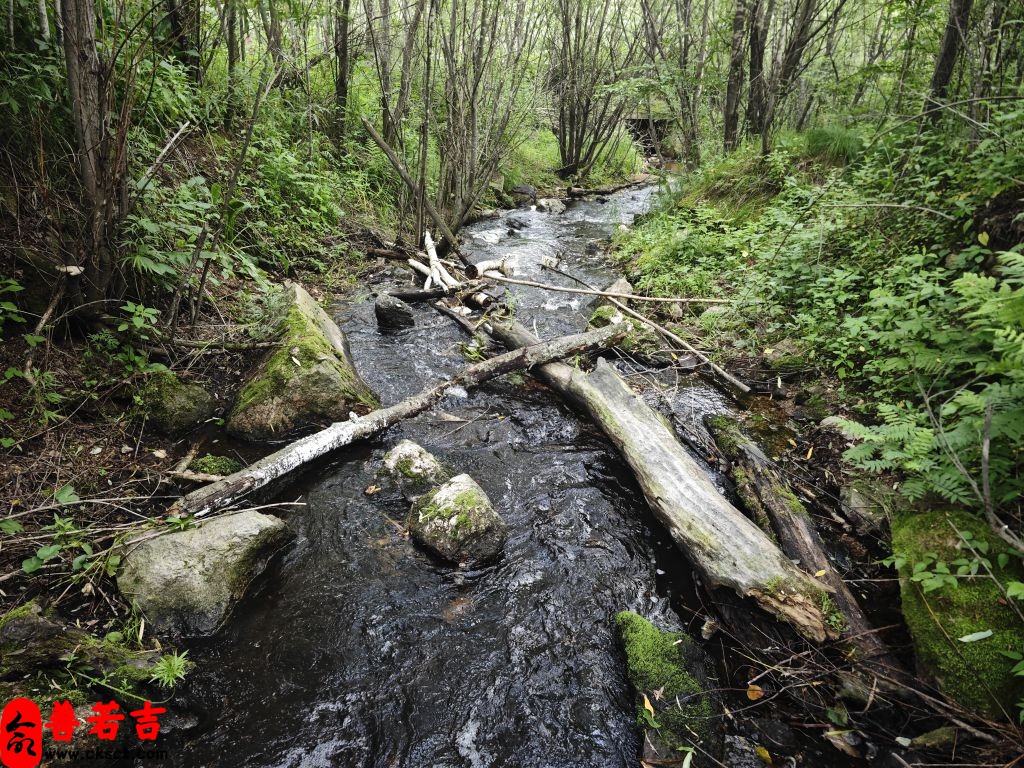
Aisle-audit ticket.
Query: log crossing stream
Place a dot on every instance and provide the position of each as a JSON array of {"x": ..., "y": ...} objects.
[{"x": 359, "y": 649}]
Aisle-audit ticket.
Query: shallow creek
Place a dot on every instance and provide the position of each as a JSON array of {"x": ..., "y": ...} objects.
[{"x": 359, "y": 649}]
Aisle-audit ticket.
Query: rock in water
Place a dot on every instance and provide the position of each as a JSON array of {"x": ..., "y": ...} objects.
[
  {"x": 187, "y": 582},
  {"x": 415, "y": 468},
  {"x": 550, "y": 205},
  {"x": 305, "y": 381},
  {"x": 174, "y": 407},
  {"x": 524, "y": 194},
  {"x": 457, "y": 521},
  {"x": 666, "y": 668},
  {"x": 392, "y": 312}
]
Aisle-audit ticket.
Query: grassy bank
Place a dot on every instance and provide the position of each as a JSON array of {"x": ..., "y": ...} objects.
[{"x": 882, "y": 280}]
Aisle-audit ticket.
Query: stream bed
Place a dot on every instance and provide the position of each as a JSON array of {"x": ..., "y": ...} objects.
[{"x": 360, "y": 649}]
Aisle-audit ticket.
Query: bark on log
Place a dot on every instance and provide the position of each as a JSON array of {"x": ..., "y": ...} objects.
[
  {"x": 770, "y": 499},
  {"x": 500, "y": 266},
  {"x": 720, "y": 541},
  {"x": 237, "y": 486}
]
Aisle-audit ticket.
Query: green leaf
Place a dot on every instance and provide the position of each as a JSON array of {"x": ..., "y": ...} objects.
[
  {"x": 48, "y": 552},
  {"x": 31, "y": 565},
  {"x": 11, "y": 526},
  {"x": 976, "y": 636},
  {"x": 66, "y": 495}
]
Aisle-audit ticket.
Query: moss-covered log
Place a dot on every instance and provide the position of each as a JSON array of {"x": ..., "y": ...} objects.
[
  {"x": 767, "y": 495},
  {"x": 720, "y": 541}
]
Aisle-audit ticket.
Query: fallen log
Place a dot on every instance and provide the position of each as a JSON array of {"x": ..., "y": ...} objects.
[
  {"x": 500, "y": 266},
  {"x": 493, "y": 274},
  {"x": 724, "y": 546},
  {"x": 767, "y": 495},
  {"x": 295, "y": 455}
]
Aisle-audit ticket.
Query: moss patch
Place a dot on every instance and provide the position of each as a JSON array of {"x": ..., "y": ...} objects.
[
  {"x": 215, "y": 465},
  {"x": 661, "y": 662},
  {"x": 974, "y": 674}
]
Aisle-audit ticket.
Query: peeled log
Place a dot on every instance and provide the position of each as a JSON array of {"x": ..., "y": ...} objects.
[
  {"x": 769, "y": 498},
  {"x": 720, "y": 541},
  {"x": 295, "y": 455}
]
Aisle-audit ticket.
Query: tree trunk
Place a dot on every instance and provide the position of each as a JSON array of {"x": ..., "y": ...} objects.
[
  {"x": 956, "y": 33},
  {"x": 341, "y": 82},
  {"x": 89, "y": 109},
  {"x": 232, "y": 21},
  {"x": 235, "y": 487},
  {"x": 757, "y": 95},
  {"x": 722, "y": 544},
  {"x": 734, "y": 87}
]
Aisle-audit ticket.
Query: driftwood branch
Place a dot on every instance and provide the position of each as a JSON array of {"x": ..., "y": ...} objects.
[
  {"x": 494, "y": 275},
  {"x": 235, "y": 487},
  {"x": 727, "y": 548}
]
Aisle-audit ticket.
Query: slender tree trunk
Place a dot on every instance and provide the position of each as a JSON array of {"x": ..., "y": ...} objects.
[
  {"x": 949, "y": 50},
  {"x": 44, "y": 21},
  {"x": 760, "y": 20},
  {"x": 232, "y": 106},
  {"x": 89, "y": 109},
  {"x": 341, "y": 83},
  {"x": 734, "y": 87}
]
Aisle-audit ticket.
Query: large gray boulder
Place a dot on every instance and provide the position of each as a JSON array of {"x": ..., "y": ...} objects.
[
  {"x": 550, "y": 205},
  {"x": 458, "y": 522},
  {"x": 305, "y": 381},
  {"x": 186, "y": 582}
]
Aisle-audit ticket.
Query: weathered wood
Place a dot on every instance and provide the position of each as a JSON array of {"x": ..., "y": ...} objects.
[
  {"x": 493, "y": 265},
  {"x": 767, "y": 495},
  {"x": 720, "y": 541},
  {"x": 237, "y": 486}
]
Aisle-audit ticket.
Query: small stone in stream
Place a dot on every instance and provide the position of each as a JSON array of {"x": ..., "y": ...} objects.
[
  {"x": 550, "y": 205},
  {"x": 414, "y": 465},
  {"x": 458, "y": 522},
  {"x": 393, "y": 313}
]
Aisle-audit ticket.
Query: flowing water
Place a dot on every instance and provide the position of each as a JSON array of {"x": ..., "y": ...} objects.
[{"x": 359, "y": 649}]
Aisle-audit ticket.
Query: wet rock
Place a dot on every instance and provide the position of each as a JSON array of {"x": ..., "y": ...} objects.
[
  {"x": 741, "y": 752},
  {"x": 669, "y": 667},
  {"x": 82, "y": 741},
  {"x": 811, "y": 403},
  {"x": 393, "y": 313},
  {"x": 174, "y": 407},
  {"x": 550, "y": 205},
  {"x": 187, "y": 582},
  {"x": 306, "y": 380},
  {"x": 524, "y": 194},
  {"x": 414, "y": 468},
  {"x": 458, "y": 522}
]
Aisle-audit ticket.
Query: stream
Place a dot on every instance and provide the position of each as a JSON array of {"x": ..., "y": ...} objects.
[{"x": 360, "y": 649}]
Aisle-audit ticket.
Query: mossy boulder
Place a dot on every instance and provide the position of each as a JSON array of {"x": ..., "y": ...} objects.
[
  {"x": 188, "y": 581},
  {"x": 670, "y": 670},
  {"x": 975, "y": 674},
  {"x": 785, "y": 357},
  {"x": 867, "y": 503},
  {"x": 34, "y": 646},
  {"x": 306, "y": 380},
  {"x": 215, "y": 465},
  {"x": 414, "y": 468},
  {"x": 173, "y": 406},
  {"x": 458, "y": 522}
]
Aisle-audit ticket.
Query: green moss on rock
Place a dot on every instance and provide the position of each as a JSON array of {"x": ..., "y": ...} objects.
[
  {"x": 974, "y": 674},
  {"x": 307, "y": 378},
  {"x": 458, "y": 522},
  {"x": 174, "y": 407},
  {"x": 667, "y": 668}
]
